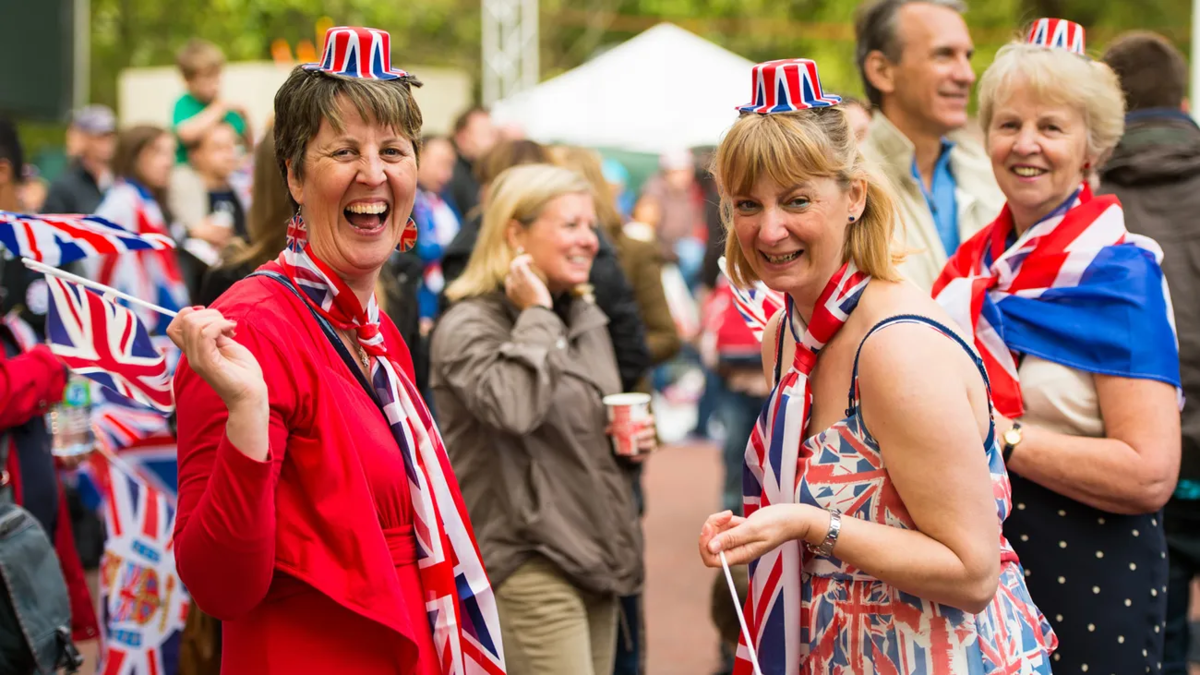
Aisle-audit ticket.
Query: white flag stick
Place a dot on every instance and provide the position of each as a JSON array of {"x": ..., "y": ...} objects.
[
  {"x": 106, "y": 290},
  {"x": 737, "y": 605}
]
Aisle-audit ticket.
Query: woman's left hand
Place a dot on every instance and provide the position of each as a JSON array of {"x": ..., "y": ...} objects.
[{"x": 746, "y": 539}]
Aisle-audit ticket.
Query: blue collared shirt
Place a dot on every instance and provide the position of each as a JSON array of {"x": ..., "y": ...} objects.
[{"x": 940, "y": 197}]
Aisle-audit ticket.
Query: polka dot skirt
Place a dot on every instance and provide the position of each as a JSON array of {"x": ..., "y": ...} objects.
[{"x": 1100, "y": 578}]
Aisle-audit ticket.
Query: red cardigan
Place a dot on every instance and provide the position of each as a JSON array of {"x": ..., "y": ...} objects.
[
  {"x": 29, "y": 384},
  {"x": 290, "y": 552}
]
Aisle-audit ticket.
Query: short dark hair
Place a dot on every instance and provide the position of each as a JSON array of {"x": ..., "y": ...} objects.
[
  {"x": 507, "y": 154},
  {"x": 875, "y": 30},
  {"x": 309, "y": 97},
  {"x": 464, "y": 118},
  {"x": 10, "y": 147},
  {"x": 1153, "y": 72}
]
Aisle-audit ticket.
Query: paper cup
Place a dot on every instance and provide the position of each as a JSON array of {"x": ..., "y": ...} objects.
[{"x": 628, "y": 414}]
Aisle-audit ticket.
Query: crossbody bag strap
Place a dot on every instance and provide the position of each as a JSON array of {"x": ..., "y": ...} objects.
[
  {"x": 6, "y": 491},
  {"x": 330, "y": 334}
]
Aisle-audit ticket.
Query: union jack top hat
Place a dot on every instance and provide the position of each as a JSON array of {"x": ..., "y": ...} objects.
[
  {"x": 365, "y": 53},
  {"x": 1057, "y": 34},
  {"x": 787, "y": 85}
]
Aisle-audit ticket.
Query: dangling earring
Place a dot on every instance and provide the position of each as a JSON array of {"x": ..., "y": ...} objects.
[
  {"x": 297, "y": 232},
  {"x": 408, "y": 239}
]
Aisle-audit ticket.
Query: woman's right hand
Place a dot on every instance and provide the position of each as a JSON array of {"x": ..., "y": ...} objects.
[
  {"x": 206, "y": 338},
  {"x": 524, "y": 287}
]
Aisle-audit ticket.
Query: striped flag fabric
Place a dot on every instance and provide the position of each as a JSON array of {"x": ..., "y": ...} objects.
[
  {"x": 756, "y": 305},
  {"x": 58, "y": 239},
  {"x": 107, "y": 343}
]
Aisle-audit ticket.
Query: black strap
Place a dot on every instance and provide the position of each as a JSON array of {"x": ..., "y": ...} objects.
[
  {"x": 903, "y": 318},
  {"x": 786, "y": 319},
  {"x": 330, "y": 334}
]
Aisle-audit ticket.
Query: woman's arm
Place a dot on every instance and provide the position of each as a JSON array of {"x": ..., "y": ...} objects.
[
  {"x": 925, "y": 410},
  {"x": 1131, "y": 470},
  {"x": 505, "y": 377},
  {"x": 230, "y": 453},
  {"x": 662, "y": 338},
  {"x": 29, "y": 385}
]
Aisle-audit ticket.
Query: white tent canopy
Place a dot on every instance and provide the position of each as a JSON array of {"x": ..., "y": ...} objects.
[{"x": 664, "y": 90}]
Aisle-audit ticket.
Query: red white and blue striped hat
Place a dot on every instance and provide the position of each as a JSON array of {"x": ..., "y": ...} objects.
[
  {"x": 365, "y": 53},
  {"x": 1057, "y": 34},
  {"x": 787, "y": 85}
]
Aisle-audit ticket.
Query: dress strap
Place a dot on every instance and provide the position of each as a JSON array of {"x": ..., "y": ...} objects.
[
  {"x": 784, "y": 322},
  {"x": 853, "y": 410}
]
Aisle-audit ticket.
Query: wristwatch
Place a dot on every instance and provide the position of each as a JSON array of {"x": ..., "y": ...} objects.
[
  {"x": 1011, "y": 438},
  {"x": 835, "y": 526}
]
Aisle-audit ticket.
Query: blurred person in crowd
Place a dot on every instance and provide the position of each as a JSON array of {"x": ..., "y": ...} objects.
[
  {"x": 1155, "y": 171},
  {"x": 138, "y": 202},
  {"x": 203, "y": 201},
  {"x": 520, "y": 364},
  {"x": 859, "y": 114},
  {"x": 617, "y": 177},
  {"x": 1073, "y": 318},
  {"x": 31, "y": 380},
  {"x": 81, "y": 187},
  {"x": 614, "y": 296},
  {"x": 34, "y": 190},
  {"x": 914, "y": 57},
  {"x": 437, "y": 224},
  {"x": 680, "y": 227},
  {"x": 474, "y": 135},
  {"x": 903, "y": 535},
  {"x": 201, "y": 107},
  {"x": 641, "y": 260},
  {"x": 510, "y": 131},
  {"x": 300, "y": 524}
]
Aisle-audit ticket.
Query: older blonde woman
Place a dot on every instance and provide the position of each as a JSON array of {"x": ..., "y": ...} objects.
[
  {"x": 520, "y": 364},
  {"x": 1074, "y": 322},
  {"x": 899, "y": 498}
]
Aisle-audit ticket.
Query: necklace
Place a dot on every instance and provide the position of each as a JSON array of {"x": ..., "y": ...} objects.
[{"x": 362, "y": 354}]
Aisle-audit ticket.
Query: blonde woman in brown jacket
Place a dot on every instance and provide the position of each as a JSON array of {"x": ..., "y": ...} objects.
[{"x": 520, "y": 364}]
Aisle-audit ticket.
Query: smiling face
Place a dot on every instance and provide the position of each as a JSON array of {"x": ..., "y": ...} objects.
[
  {"x": 356, "y": 194},
  {"x": 794, "y": 236},
  {"x": 562, "y": 241},
  {"x": 1038, "y": 151},
  {"x": 931, "y": 84}
]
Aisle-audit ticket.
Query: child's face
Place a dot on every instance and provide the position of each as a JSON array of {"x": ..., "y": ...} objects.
[{"x": 205, "y": 86}]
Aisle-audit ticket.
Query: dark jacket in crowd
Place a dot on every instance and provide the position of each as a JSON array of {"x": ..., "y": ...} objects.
[
  {"x": 75, "y": 191},
  {"x": 462, "y": 192},
  {"x": 1155, "y": 171},
  {"x": 614, "y": 297}
]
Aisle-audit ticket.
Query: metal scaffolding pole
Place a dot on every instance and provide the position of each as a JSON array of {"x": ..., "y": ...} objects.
[{"x": 510, "y": 47}]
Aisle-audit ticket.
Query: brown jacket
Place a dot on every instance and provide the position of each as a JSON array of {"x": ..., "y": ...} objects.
[
  {"x": 519, "y": 400},
  {"x": 641, "y": 260}
]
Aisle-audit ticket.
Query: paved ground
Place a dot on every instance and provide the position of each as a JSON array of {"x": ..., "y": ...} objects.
[{"x": 682, "y": 485}]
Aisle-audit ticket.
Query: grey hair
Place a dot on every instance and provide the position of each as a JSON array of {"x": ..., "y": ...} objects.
[{"x": 875, "y": 30}]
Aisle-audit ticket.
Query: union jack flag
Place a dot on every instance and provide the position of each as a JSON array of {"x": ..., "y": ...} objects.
[
  {"x": 461, "y": 605},
  {"x": 1057, "y": 34},
  {"x": 1076, "y": 288},
  {"x": 107, "y": 343},
  {"x": 153, "y": 276},
  {"x": 769, "y": 476},
  {"x": 756, "y": 305},
  {"x": 787, "y": 85},
  {"x": 120, "y": 422},
  {"x": 56, "y": 239},
  {"x": 145, "y": 604}
]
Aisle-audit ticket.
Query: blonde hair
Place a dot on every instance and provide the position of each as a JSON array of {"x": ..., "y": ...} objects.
[
  {"x": 199, "y": 57},
  {"x": 790, "y": 148},
  {"x": 519, "y": 194},
  {"x": 1058, "y": 76}
]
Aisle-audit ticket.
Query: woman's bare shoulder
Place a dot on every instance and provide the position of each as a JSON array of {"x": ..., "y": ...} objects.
[{"x": 885, "y": 299}]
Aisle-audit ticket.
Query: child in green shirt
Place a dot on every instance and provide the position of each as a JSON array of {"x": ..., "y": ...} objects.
[{"x": 200, "y": 109}]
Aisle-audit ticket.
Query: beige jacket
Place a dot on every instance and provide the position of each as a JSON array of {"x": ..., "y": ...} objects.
[
  {"x": 518, "y": 395},
  {"x": 979, "y": 200}
]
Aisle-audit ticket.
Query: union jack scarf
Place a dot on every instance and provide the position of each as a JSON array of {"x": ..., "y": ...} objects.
[
  {"x": 150, "y": 275},
  {"x": 769, "y": 477},
  {"x": 1076, "y": 289},
  {"x": 460, "y": 603}
]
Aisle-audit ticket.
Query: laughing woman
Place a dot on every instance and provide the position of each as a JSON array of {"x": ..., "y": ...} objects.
[
  {"x": 311, "y": 477},
  {"x": 898, "y": 499}
]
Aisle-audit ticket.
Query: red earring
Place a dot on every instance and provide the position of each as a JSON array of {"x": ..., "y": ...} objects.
[{"x": 408, "y": 240}]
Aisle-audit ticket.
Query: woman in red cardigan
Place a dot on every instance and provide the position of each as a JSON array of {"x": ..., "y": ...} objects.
[{"x": 318, "y": 515}]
